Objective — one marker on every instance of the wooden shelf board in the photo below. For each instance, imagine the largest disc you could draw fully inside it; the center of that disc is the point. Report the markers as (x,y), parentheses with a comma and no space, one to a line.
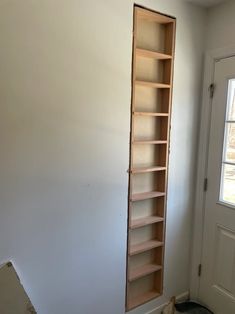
(144,270)
(147,169)
(153,16)
(152,84)
(146,195)
(141,222)
(141,299)
(151,114)
(144,246)
(152,54)
(157,142)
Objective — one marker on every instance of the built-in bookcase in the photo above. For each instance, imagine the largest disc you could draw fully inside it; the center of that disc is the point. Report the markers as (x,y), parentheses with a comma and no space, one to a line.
(153,56)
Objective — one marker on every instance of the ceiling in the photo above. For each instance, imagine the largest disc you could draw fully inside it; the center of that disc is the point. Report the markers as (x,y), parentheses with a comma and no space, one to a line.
(207,3)
(204,3)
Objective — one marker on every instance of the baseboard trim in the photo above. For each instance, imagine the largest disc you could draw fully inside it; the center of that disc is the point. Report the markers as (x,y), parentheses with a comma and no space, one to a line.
(158,310)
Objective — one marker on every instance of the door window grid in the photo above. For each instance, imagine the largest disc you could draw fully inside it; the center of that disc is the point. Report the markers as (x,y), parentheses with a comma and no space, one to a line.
(227,183)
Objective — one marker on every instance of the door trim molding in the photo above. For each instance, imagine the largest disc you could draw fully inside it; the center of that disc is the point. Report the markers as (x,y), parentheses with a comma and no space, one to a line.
(199,207)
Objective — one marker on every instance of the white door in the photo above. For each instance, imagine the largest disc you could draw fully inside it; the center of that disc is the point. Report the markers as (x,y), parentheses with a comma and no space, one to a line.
(217,284)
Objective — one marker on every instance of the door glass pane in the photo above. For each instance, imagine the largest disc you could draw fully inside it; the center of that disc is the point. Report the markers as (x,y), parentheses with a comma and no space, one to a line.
(228,184)
(230,142)
(231,100)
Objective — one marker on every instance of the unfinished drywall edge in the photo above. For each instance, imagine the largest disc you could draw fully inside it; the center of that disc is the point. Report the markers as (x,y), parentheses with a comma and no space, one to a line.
(181,297)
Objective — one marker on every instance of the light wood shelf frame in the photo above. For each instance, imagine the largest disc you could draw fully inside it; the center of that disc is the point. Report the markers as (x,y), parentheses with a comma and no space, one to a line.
(152,84)
(144,246)
(145,297)
(145,195)
(145,53)
(139,274)
(141,222)
(154,142)
(144,270)
(147,169)
(151,114)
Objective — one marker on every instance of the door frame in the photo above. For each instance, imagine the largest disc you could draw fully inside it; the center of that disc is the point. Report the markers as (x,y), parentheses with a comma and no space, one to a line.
(211,57)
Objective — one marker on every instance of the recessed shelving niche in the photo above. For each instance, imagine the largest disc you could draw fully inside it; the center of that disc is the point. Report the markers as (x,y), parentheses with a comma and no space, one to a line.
(153,57)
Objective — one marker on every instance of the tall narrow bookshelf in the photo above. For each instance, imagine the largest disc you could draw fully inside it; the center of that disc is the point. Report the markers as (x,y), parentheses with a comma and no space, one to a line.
(152,71)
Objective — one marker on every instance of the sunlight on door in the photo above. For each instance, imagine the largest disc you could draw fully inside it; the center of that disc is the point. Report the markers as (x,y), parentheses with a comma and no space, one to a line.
(227,184)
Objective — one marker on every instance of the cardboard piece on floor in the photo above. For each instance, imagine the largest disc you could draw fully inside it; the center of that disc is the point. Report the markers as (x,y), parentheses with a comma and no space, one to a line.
(13,298)
(170,307)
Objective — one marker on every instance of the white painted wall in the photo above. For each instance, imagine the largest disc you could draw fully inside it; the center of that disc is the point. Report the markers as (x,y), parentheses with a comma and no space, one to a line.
(221,26)
(65,89)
